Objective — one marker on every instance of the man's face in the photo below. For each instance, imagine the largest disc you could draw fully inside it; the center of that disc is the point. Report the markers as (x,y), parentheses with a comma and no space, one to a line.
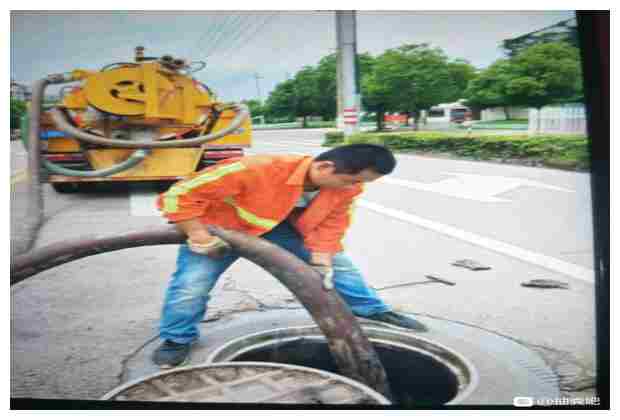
(322,175)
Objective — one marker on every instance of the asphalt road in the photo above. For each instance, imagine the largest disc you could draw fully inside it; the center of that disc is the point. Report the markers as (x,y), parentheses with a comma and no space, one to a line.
(76,328)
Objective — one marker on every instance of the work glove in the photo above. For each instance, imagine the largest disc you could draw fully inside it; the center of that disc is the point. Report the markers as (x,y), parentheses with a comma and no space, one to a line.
(216,249)
(327,274)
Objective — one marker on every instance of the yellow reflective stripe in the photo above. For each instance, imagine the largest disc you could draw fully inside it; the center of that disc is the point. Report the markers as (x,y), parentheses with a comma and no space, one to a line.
(251,217)
(171,198)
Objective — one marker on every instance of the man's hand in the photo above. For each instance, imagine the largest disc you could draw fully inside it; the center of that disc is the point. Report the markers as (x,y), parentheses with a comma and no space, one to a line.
(216,248)
(320,258)
(322,263)
(201,241)
(327,273)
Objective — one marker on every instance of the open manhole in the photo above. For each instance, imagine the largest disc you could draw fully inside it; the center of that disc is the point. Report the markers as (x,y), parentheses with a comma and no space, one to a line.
(420,371)
(248,383)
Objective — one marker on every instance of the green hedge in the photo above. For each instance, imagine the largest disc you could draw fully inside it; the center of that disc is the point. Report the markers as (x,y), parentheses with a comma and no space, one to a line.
(321,124)
(563,151)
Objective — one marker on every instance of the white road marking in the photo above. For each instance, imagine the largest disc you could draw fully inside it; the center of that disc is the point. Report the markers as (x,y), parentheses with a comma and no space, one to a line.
(545,261)
(481,188)
(142,203)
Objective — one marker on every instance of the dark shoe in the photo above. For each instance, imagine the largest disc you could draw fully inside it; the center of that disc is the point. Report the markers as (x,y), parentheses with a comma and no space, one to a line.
(398,320)
(170,354)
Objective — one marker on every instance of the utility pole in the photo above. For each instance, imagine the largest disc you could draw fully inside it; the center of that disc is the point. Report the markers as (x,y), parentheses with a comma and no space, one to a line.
(257,76)
(349,98)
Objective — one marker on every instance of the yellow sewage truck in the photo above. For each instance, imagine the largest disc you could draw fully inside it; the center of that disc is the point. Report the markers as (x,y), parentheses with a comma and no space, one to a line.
(146,120)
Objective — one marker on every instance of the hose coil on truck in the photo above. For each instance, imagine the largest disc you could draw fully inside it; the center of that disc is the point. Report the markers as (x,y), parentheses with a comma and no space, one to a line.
(147,120)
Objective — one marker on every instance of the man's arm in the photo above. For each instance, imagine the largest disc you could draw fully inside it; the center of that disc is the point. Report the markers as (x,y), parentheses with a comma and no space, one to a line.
(187,201)
(325,240)
(195,230)
(201,241)
(190,199)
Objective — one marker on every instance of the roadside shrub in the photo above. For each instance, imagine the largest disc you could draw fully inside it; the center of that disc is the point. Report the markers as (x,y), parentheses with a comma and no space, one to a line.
(333,138)
(564,151)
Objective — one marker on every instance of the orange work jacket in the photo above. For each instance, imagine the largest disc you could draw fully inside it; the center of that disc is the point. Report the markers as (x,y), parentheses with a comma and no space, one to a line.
(254,194)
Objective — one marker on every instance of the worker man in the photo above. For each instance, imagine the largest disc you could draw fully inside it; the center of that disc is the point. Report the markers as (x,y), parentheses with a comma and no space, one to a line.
(301,203)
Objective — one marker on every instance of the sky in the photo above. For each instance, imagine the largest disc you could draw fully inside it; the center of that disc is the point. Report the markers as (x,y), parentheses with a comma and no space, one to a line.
(238,46)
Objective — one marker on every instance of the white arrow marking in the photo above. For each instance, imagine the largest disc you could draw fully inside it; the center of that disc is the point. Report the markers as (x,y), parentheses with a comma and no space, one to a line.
(482,188)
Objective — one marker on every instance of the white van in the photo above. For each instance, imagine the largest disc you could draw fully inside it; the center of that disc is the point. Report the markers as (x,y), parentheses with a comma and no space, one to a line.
(448,113)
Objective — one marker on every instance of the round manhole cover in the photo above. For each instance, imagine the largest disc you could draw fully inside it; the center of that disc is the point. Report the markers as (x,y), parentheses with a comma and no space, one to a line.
(420,371)
(247,383)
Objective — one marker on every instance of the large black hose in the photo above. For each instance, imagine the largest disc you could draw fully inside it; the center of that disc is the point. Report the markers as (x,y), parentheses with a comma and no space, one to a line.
(63,125)
(351,349)
(35,195)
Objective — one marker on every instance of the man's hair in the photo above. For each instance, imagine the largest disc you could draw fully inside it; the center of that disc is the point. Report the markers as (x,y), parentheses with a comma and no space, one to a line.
(354,158)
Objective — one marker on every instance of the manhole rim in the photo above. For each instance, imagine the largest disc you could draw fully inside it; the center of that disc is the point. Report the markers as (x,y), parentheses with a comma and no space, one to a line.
(365,389)
(506,366)
(469,370)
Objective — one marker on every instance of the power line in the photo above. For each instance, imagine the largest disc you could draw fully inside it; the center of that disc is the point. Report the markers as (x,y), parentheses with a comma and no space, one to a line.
(213,33)
(300,29)
(246,33)
(234,36)
(224,33)
(252,33)
(237,38)
(241,35)
(243,32)
(213,26)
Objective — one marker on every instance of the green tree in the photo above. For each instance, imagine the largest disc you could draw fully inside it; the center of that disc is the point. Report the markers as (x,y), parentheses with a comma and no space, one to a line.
(311,91)
(544,74)
(375,98)
(488,88)
(540,75)
(411,78)
(18,109)
(307,95)
(255,106)
(281,101)
(326,84)
(461,73)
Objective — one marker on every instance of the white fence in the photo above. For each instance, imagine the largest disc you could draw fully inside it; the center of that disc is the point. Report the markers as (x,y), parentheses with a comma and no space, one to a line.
(567,119)
(493,114)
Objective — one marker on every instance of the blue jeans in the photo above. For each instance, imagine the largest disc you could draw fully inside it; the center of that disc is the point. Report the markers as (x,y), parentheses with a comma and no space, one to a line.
(186,299)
